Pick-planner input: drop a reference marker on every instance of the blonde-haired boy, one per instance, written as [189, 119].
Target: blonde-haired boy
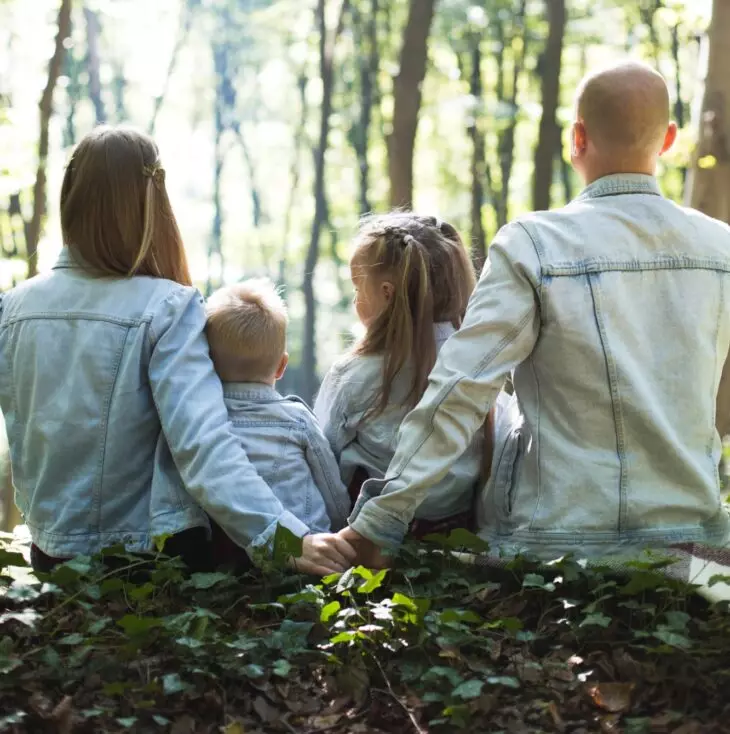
[246, 329]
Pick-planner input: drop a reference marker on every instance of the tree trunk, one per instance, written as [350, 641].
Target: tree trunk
[93, 63]
[709, 180]
[326, 70]
[478, 155]
[548, 141]
[407, 101]
[45, 107]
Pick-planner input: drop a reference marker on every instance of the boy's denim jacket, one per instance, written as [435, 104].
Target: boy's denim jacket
[614, 314]
[93, 371]
[359, 441]
[284, 442]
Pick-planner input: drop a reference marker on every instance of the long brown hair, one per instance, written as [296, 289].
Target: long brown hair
[116, 217]
[432, 278]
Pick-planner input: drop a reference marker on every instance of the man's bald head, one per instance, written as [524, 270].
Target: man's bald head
[625, 110]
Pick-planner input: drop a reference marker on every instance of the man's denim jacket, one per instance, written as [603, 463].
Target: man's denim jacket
[348, 392]
[614, 315]
[92, 372]
[284, 442]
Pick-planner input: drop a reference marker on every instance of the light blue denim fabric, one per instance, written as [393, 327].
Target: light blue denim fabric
[92, 373]
[614, 314]
[284, 442]
[347, 393]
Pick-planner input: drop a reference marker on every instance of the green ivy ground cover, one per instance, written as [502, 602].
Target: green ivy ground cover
[427, 646]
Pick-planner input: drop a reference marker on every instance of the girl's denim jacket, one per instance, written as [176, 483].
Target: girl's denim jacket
[368, 442]
[92, 372]
[613, 314]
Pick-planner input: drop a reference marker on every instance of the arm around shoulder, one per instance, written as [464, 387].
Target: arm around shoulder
[189, 400]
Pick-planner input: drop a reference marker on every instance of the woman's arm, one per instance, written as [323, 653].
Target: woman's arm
[211, 462]
[331, 408]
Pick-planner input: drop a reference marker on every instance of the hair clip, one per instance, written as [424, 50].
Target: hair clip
[155, 171]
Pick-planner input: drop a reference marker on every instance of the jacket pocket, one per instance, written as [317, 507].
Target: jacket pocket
[505, 475]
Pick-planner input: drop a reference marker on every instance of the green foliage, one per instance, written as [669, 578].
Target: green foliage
[452, 645]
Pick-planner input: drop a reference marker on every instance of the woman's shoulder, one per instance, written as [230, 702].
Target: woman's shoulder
[356, 367]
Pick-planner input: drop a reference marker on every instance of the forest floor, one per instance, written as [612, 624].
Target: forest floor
[428, 646]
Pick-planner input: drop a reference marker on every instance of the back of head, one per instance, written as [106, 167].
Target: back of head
[432, 277]
[246, 331]
[625, 111]
[116, 217]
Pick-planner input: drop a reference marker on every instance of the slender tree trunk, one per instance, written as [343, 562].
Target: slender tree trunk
[679, 116]
[548, 141]
[327, 43]
[709, 180]
[45, 107]
[478, 154]
[183, 32]
[295, 171]
[407, 101]
[93, 63]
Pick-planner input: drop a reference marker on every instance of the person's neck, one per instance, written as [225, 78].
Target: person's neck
[601, 170]
[245, 380]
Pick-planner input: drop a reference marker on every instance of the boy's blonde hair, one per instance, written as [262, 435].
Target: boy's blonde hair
[246, 331]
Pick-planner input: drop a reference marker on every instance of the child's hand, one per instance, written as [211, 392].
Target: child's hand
[323, 554]
[368, 554]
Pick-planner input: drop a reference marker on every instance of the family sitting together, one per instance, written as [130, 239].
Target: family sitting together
[136, 410]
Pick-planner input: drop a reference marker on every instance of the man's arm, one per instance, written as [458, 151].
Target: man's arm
[499, 332]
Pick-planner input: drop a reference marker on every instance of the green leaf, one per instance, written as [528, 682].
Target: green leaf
[719, 579]
[282, 668]
[160, 720]
[72, 639]
[535, 581]
[172, 683]
[329, 610]
[96, 627]
[286, 545]
[438, 672]
[208, 580]
[11, 558]
[9, 664]
[118, 688]
[468, 689]
[459, 615]
[109, 586]
[20, 591]
[402, 600]
[14, 718]
[346, 637]
[503, 680]
[136, 626]
[374, 582]
[596, 620]
[192, 642]
[127, 722]
[462, 538]
[669, 637]
[140, 593]
[253, 671]
[677, 621]
[92, 713]
[160, 540]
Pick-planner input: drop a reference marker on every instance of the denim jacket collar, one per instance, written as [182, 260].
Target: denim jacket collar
[257, 392]
[65, 260]
[620, 183]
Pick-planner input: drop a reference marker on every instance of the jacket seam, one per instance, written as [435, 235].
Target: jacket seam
[595, 266]
[713, 395]
[96, 497]
[615, 400]
[77, 316]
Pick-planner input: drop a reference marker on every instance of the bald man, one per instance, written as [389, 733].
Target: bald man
[613, 316]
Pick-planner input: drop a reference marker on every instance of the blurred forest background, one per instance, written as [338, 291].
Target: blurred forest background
[281, 121]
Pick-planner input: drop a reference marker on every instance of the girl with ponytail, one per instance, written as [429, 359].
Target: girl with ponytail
[412, 278]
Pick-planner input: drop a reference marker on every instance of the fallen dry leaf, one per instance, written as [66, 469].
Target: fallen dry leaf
[690, 727]
[555, 716]
[612, 697]
[63, 715]
[235, 727]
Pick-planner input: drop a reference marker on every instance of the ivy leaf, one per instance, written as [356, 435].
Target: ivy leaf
[253, 671]
[503, 680]
[19, 591]
[535, 581]
[136, 626]
[282, 668]
[172, 683]
[468, 689]
[160, 720]
[329, 611]
[72, 639]
[11, 558]
[286, 545]
[127, 722]
[596, 620]
[374, 582]
[677, 621]
[208, 580]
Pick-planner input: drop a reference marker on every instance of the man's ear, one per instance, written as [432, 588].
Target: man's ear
[669, 138]
[282, 366]
[578, 139]
[388, 290]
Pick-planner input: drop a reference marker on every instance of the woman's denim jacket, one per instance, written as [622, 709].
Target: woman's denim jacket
[614, 315]
[92, 370]
[348, 392]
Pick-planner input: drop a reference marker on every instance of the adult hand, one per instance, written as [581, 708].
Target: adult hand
[323, 554]
[368, 554]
